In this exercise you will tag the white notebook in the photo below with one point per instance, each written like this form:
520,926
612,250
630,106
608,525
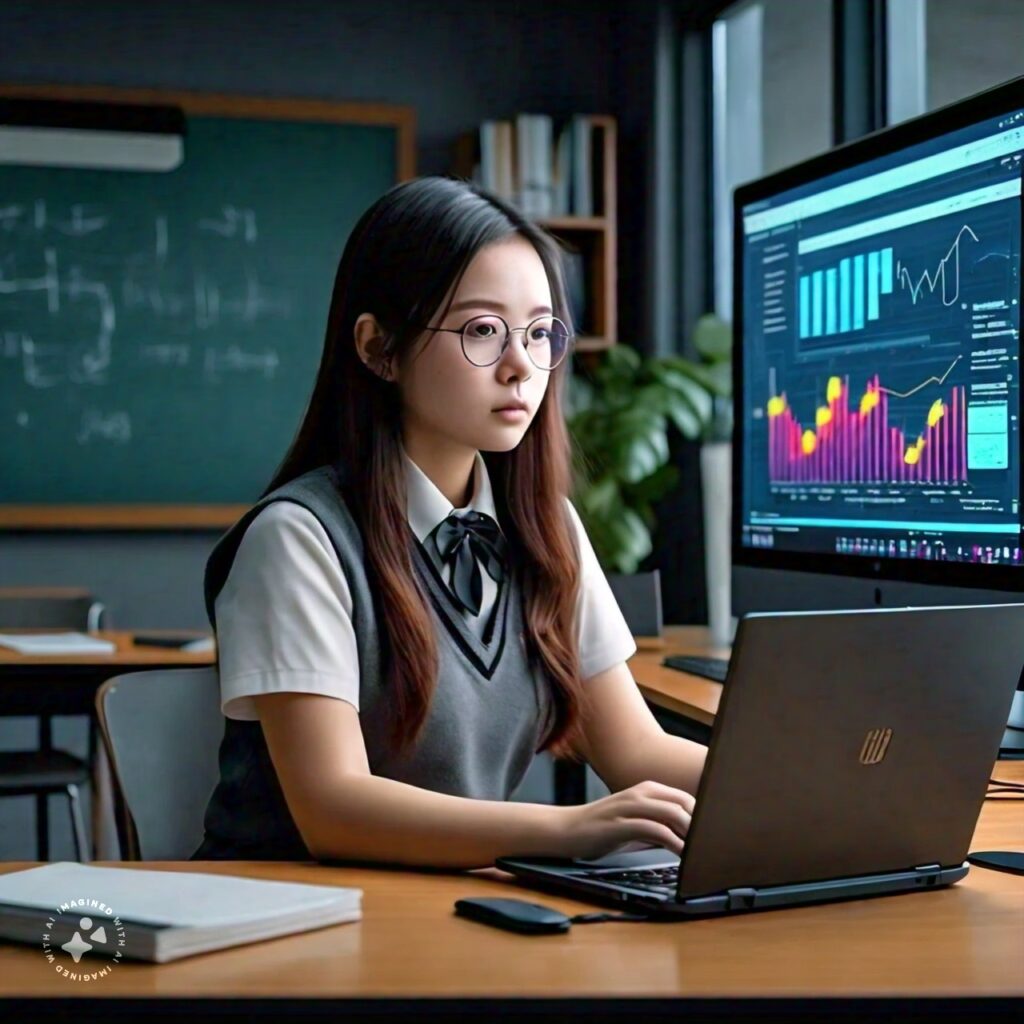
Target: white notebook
158,915
56,643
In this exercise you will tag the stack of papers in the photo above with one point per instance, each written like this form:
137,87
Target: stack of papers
56,643
157,915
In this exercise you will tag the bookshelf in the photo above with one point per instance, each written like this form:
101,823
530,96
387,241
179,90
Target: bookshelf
593,238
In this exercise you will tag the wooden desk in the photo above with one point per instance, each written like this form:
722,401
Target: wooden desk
66,684
692,697
961,949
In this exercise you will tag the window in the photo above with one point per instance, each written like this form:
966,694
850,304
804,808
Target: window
943,50
772,74
971,46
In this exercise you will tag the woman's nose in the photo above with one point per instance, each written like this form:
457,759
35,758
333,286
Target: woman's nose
515,355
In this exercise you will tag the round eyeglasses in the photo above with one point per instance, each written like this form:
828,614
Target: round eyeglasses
485,338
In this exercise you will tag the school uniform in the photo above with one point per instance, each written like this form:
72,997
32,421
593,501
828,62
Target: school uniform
287,591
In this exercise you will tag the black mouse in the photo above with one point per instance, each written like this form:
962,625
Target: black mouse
514,915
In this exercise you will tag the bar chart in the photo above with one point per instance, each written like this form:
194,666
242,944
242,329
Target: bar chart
845,297
858,445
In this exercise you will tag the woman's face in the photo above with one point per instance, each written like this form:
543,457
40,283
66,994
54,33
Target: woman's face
449,401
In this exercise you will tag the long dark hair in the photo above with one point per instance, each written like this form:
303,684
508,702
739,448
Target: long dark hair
402,258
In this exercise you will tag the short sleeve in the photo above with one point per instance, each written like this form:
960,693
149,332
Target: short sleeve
605,639
284,614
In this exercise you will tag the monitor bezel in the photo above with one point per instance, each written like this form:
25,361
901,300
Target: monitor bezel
1002,99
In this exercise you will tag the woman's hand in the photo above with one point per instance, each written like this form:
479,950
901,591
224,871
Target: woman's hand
649,812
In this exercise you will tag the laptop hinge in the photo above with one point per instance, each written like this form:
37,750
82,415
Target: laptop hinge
929,867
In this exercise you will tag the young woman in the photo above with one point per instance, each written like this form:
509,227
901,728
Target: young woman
413,608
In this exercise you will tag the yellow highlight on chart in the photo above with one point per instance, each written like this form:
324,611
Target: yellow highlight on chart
868,402
776,405
823,416
809,441
936,412
834,389
913,454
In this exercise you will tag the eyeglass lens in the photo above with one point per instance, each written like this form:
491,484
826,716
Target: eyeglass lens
546,340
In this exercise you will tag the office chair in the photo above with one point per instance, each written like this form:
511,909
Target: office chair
45,771
162,731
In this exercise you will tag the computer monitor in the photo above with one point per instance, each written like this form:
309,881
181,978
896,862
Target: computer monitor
877,450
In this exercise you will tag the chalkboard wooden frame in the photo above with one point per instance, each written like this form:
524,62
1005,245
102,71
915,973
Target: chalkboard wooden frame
213,516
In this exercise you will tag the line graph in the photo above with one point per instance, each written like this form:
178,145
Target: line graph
907,283
931,380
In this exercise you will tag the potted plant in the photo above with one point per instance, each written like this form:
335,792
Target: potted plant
619,417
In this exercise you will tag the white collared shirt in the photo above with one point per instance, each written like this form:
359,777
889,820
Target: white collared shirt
284,614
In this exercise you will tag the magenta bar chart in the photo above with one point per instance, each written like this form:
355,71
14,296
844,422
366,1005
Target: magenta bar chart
858,445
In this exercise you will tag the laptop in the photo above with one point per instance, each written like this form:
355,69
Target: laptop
849,757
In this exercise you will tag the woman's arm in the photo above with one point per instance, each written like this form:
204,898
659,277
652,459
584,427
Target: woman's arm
342,811
625,745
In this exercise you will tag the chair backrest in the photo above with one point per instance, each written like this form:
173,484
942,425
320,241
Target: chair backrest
162,731
44,608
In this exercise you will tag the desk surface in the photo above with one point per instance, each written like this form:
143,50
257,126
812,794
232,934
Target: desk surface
967,940
691,696
127,652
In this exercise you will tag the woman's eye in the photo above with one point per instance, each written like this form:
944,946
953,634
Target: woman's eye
482,329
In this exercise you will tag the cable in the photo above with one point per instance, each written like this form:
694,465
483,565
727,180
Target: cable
599,917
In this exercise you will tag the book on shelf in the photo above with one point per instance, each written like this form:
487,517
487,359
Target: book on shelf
542,172
86,916
575,286
581,162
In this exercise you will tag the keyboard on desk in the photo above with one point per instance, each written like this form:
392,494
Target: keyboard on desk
709,668
664,881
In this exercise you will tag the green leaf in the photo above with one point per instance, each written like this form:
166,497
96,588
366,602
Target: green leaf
617,370
633,541
654,487
602,497
704,375
720,376
686,421
639,443
580,396
624,359
692,393
619,425
712,337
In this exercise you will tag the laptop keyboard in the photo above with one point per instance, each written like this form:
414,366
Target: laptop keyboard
660,880
709,668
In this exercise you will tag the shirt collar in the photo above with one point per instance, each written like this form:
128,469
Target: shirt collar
426,506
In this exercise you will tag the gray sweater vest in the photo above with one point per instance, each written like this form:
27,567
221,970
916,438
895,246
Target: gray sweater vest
488,716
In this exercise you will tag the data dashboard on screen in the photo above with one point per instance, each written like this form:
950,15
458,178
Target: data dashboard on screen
880,353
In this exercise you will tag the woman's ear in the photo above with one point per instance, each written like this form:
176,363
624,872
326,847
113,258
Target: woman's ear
370,345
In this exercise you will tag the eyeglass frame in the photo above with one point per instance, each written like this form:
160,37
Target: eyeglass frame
508,339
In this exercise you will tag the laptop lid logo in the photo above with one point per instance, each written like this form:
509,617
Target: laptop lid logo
876,743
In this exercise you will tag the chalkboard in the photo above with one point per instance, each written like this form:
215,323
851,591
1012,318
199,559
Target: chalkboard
160,330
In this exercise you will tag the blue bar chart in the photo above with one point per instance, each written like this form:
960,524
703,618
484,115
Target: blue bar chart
845,297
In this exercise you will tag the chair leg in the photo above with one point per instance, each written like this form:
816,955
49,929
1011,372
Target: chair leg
77,823
43,799
42,826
